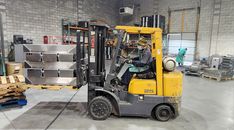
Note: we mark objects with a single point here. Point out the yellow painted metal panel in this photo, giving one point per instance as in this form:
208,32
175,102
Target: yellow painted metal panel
142,87
157,54
138,30
172,84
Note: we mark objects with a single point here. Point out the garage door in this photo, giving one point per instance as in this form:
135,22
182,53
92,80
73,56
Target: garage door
182,40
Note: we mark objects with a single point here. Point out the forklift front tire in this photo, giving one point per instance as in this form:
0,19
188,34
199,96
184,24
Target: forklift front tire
100,108
163,113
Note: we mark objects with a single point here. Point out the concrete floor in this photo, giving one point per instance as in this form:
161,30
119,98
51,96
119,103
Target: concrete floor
206,105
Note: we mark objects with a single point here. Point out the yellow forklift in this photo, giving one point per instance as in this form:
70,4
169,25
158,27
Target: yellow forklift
159,97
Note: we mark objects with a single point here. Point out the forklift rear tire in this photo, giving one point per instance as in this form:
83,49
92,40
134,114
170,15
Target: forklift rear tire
100,108
163,113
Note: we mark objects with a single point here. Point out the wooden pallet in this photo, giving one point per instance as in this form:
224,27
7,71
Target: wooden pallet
11,88
6,99
12,79
21,87
7,88
10,93
216,78
192,73
48,87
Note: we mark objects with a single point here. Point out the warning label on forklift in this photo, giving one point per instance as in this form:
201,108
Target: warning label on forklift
92,59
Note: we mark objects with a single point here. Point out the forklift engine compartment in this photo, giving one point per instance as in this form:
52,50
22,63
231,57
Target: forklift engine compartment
158,97
172,82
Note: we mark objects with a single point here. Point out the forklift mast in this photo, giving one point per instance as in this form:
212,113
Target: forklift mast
96,72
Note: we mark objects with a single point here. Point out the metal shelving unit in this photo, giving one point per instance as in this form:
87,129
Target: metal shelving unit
68,31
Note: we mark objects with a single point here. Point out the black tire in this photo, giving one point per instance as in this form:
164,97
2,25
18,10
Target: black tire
163,113
100,108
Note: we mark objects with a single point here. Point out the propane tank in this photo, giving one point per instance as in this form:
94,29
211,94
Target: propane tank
169,64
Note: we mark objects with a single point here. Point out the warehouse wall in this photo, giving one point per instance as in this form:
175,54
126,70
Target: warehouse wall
215,36
36,18
104,10
225,39
216,31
